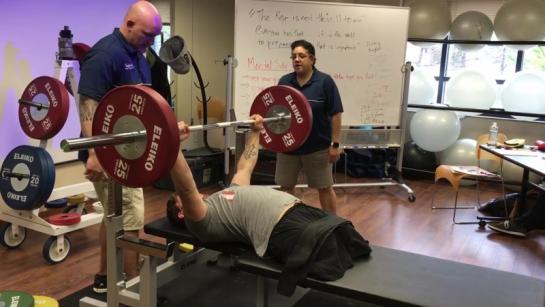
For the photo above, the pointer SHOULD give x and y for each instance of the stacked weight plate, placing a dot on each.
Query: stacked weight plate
(28, 172)
(28, 177)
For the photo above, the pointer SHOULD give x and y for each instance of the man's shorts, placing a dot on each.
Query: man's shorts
(315, 165)
(290, 227)
(133, 205)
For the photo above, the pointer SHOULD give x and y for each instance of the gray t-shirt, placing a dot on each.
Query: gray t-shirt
(245, 214)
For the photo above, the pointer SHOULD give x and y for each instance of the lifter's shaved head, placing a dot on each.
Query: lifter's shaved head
(141, 24)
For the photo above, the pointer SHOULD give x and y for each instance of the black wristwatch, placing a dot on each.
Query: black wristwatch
(335, 144)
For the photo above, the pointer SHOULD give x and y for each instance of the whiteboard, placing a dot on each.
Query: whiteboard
(362, 47)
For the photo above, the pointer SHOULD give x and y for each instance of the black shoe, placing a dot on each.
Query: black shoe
(496, 206)
(511, 227)
(100, 285)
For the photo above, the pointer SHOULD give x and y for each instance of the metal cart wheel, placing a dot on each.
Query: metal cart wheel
(54, 254)
(10, 239)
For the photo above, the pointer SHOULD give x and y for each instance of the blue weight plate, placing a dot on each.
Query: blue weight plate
(56, 203)
(49, 180)
(40, 181)
(30, 192)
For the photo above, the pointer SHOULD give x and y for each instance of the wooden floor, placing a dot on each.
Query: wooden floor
(384, 216)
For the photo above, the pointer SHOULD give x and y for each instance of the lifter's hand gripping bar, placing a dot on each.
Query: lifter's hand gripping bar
(68, 145)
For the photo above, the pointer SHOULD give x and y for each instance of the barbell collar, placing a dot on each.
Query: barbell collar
(68, 145)
(33, 104)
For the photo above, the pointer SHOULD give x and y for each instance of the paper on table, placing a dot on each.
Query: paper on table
(472, 170)
(517, 152)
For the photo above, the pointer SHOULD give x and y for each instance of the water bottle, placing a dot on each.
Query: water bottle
(493, 134)
(66, 52)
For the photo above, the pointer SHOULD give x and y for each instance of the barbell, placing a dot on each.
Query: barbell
(136, 137)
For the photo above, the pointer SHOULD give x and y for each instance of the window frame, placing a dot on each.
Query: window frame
(442, 78)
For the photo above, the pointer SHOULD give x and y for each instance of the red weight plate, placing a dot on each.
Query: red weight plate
(146, 106)
(290, 100)
(65, 219)
(80, 50)
(44, 123)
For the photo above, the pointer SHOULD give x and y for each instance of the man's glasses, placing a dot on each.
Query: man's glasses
(302, 56)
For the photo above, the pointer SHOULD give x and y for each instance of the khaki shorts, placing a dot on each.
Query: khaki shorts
(133, 205)
(315, 165)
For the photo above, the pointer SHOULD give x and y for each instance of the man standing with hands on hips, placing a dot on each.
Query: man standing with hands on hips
(321, 149)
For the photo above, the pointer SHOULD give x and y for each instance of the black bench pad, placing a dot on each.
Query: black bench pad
(394, 277)
(163, 228)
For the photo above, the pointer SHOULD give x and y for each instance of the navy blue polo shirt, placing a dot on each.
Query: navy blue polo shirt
(111, 62)
(325, 101)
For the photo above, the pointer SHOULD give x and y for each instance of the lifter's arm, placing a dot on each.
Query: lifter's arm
(193, 206)
(248, 159)
(87, 109)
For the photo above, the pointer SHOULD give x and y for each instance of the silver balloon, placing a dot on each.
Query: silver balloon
(463, 153)
(513, 173)
(429, 19)
(471, 25)
(521, 20)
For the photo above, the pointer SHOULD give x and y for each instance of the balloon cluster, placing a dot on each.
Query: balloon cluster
(438, 130)
(516, 20)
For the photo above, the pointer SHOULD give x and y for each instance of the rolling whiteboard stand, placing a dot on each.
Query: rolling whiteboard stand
(387, 137)
(362, 47)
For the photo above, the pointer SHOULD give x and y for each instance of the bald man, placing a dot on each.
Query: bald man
(117, 59)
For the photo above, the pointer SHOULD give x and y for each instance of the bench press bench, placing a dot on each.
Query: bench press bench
(390, 277)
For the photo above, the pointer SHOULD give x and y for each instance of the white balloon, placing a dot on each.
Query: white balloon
(471, 89)
(421, 88)
(429, 19)
(471, 25)
(434, 130)
(521, 20)
(524, 92)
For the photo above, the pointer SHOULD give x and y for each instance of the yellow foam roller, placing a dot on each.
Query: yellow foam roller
(185, 247)
(45, 301)
(76, 199)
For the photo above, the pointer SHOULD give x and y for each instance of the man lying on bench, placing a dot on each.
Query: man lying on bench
(307, 240)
